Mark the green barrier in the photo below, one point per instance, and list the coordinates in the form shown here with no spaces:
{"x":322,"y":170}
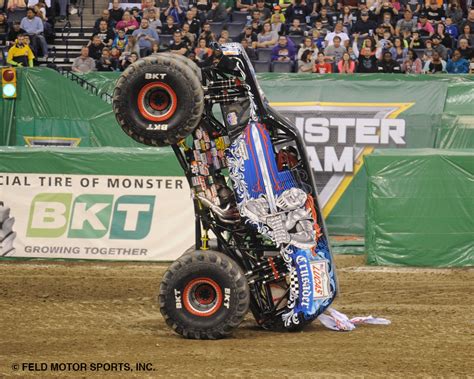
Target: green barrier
{"x":91,"y":161}
{"x":435,"y":112}
{"x":420,"y":208}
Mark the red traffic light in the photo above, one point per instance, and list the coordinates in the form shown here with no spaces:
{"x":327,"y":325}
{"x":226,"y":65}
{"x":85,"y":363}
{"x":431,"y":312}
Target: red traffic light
{"x":8,"y":75}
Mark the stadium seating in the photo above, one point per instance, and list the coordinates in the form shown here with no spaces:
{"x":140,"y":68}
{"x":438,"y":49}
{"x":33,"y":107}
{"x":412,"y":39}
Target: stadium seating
{"x":282,"y":66}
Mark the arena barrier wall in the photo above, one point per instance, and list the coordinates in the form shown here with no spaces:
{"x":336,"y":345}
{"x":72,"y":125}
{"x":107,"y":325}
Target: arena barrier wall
{"x":108,"y":203}
{"x":420,"y":207}
{"x":342,"y":118}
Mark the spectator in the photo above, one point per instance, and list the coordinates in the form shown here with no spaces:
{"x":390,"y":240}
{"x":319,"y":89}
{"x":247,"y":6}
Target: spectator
{"x":324,"y":19}
{"x":267,"y":37}
{"x":338,"y":31}
{"x":128,"y":23}
{"x":364,"y":27}
{"x":469,"y":21}
{"x":388,"y":65}
{"x":446,"y":39}
{"x":318,"y":40}
{"x":155,"y":48}
{"x":207,"y":33}
{"x":416,"y":42}
{"x":105,"y":17}
{"x":406,"y":23}
{"x":387,"y":23}
{"x":367,"y":63}
{"x":308,"y":44}
{"x":105,"y":61}
{"x":132,"y":47}
{"x":20,"y":54}
{"x":169,"y":28}
{"x":33,"y":25}
{"x":174,"y":10}
{"x":249,"y":50}
{"x":178,"y":46}
{"x":115,"y":57}
{"x":284,"y":50}
{"x":145,"y":36}
{"x":321,"y":66}
{"x":346,"y":17}
{"x":244,"y":5}
{"x":383,"y":8}
{"x":217,"y":13}
{"x":83,"y":63}
{"x":424,"y":26}
{"x":305,"y":62}
{"x":457,"y":64}
{"x":13,"y":33}
{"x":399,"y":52}
{"x":346,"y":65}
{"x":454,"y":12}
{"x":412,"y":64}
{"x":3,"y":29}
{"x":437,"y":46}
{"x":451,"y":29}
{"x":428,"y":52}
{"x":278,"y":20}
{"x":105,"y":34}
{"x":190,"y":38}
{"x":414,"y":6}
{"x":136,"y":15}
{"x":435,"y":64}
{"x":299,"y":10}
{"x":434,"y":12}
{"x":116,"y":12}
{"x":471,"y":66}
{"x":202,"y":52}
{"x":153,"y":18}
{"x":335,"y":51}
{"x":250,"y":36}
{"x":295,"y":28}
{"x":467,"y":34}
{"x":192,"y":22}
{"x":130,"y":59}
{"x":95,"y":47}
{"x":465,"y":50}
{"x":120,"y":41}
{"x":265,"y":13}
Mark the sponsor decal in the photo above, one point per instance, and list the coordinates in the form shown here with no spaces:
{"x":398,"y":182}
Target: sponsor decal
{"x":177,"y":299}
{"x":158,"y":76}
{"x":304,"y":272}
{"x":227,"y":297}
{"x":321,"y":284}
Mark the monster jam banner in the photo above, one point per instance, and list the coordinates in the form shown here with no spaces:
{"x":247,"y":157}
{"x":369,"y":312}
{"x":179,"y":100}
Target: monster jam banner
{"x":85,"y":216}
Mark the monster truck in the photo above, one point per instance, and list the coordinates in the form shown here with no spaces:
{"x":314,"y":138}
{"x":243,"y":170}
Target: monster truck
{"x":252,"y":189}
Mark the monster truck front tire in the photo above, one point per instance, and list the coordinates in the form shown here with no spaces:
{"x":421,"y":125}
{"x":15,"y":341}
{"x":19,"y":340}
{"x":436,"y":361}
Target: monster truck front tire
{"x":158,"y":100}
{"x":204,"y":295}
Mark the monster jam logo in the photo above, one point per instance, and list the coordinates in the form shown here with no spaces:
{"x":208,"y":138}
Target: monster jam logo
{"x":338,"y":135}
{"x":129,"y":217}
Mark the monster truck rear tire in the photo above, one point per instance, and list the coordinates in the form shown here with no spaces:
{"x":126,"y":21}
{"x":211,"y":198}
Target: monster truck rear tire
{"x":204,"y":295}
{"x":158,"y":100}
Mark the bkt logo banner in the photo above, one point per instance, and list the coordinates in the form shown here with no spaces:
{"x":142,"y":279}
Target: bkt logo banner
{"x":54,"y":215}
{"x":139,"y":218}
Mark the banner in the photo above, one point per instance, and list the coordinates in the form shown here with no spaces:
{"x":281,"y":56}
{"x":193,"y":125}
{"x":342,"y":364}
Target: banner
{"x":97,"y":217}
{"x":87,"y":216}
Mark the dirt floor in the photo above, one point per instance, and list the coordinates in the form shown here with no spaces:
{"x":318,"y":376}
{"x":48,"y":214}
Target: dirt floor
{"x":94,"y":313}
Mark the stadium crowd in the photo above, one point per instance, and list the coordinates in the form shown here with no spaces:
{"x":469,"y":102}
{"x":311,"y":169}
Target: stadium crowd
{"x":312,"y":36}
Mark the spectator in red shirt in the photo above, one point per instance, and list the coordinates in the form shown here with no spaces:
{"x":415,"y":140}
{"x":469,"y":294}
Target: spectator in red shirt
{"x":321,"y":66}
